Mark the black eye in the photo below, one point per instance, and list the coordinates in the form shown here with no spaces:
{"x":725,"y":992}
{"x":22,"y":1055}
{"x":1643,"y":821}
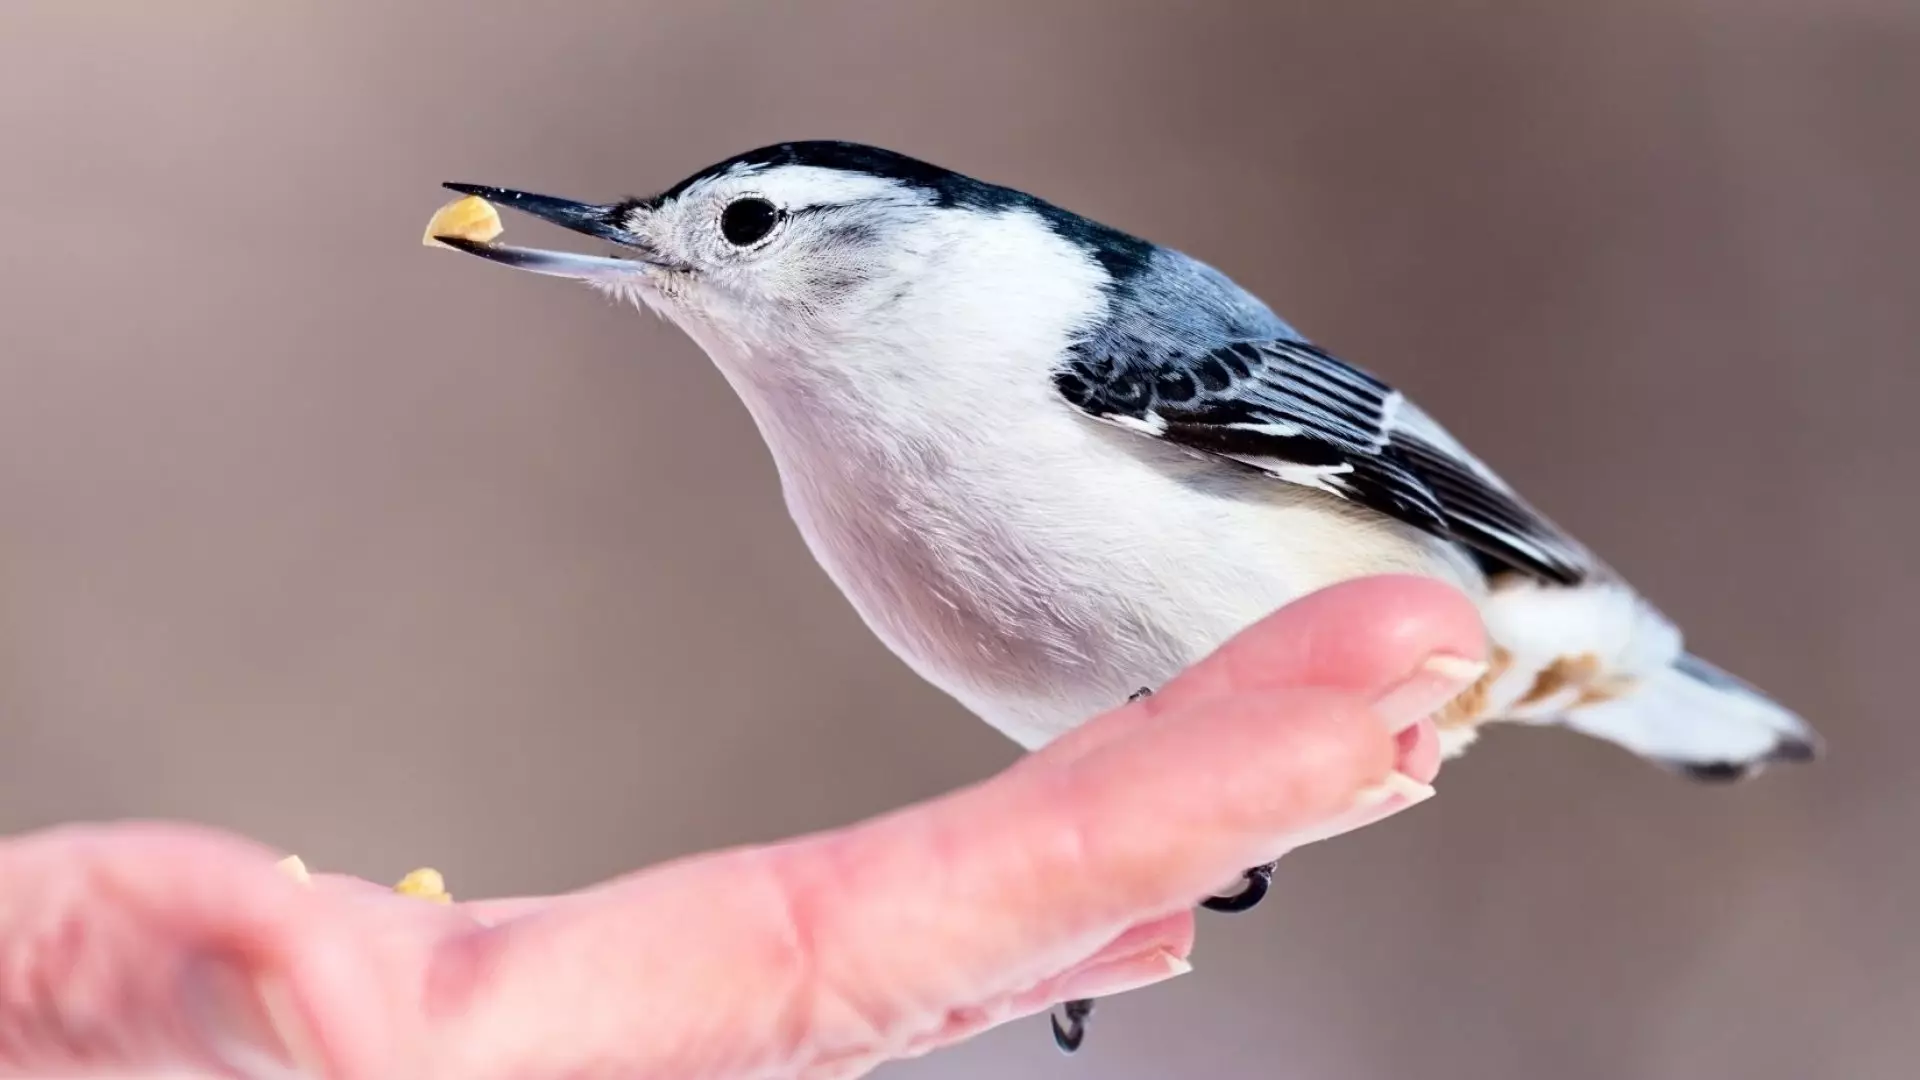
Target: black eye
{"x":747,"y":221}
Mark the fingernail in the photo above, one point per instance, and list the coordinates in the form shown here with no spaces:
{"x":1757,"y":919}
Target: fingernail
{"x":1120,"y":976}
{"x":1396,"y":783}
{"x":252,"y":1026}
{"x":1436,"y":682}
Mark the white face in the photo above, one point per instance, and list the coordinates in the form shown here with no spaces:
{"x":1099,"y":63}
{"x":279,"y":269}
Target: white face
{"x":777,"y":261}
{"x":804,"y":282}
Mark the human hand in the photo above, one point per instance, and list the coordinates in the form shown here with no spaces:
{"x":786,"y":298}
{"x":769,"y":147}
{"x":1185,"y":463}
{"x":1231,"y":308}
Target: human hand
{"x":155,"y":950}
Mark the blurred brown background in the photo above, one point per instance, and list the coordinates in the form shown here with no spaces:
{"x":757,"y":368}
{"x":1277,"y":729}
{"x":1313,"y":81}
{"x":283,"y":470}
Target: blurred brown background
{"x":387,"y":557}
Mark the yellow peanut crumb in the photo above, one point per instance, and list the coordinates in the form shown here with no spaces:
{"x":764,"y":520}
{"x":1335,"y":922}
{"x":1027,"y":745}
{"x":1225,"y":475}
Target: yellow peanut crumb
{"x":426,"y":884}
{"x":468,"y":218}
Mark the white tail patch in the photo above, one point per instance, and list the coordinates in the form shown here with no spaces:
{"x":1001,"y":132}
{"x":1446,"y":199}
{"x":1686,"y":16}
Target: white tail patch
{"x":1562,"y":647}
{"x":1600,"y":660}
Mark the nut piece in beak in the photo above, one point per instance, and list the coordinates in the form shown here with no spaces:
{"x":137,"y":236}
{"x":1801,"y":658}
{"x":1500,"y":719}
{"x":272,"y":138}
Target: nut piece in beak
{"x":471,"y":218}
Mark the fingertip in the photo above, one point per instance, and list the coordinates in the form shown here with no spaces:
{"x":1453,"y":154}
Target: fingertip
{"x":1363,"y":635}
{"x":1403,"y":616}
{"x":1432,"y":612}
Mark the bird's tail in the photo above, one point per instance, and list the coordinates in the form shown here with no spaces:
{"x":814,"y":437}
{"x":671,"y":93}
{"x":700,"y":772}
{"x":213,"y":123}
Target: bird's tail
{"x":1700,"y":721}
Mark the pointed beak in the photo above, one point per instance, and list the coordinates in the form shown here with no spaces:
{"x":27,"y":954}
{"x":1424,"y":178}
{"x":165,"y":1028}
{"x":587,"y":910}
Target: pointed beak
{"x":600,"y":221}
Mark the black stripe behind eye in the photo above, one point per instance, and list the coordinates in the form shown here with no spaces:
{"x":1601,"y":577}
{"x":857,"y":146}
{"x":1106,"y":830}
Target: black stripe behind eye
{"x":618,"y":213}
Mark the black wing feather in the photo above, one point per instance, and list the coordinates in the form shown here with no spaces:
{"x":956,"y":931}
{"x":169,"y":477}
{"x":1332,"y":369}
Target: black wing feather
{"x":1305,"y":416}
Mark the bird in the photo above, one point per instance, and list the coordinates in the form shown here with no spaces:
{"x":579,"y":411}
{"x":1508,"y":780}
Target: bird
{"x":1051,"y":464}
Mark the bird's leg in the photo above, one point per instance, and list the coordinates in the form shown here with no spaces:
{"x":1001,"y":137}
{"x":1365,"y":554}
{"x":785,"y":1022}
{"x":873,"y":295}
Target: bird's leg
{"x":1254,"y":883}
{"x":1069,"y":1033}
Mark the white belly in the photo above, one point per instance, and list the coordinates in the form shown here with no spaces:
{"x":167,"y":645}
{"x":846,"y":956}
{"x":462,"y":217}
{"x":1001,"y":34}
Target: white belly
{"x":1042,"y":576}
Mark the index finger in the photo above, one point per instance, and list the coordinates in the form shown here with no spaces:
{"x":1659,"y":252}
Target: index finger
{"x":866,"y":939}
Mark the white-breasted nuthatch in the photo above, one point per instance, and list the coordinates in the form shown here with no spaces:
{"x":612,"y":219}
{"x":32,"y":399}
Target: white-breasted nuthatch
{"x":1051,"y":463}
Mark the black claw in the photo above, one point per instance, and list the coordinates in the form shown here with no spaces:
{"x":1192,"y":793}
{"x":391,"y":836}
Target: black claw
{"x":1143,"y":692}
{"x":1256,"y":882}
{"x":1798,"y":749}
{"x":1718,"y":772}
{"x":1070,"y":1035}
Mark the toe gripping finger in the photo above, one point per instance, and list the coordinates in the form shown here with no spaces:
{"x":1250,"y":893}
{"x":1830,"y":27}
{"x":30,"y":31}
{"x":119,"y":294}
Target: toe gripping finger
{"x":1068,"y":1035}
{"x":1253,"y":889}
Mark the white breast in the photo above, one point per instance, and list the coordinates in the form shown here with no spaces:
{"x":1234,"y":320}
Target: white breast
{"x":1038,"y":566}
{"x":1043,"y":580}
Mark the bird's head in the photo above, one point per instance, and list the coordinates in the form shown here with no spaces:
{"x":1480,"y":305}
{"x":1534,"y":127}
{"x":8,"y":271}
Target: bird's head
{"x":776,"y":257}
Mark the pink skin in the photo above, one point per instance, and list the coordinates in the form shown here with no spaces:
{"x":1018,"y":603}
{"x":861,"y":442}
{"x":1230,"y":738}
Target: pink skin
{"x":156,"y":950}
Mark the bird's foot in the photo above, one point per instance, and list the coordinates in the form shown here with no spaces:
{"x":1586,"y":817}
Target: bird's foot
{"x":1253,"y":889}
{"x":1069,"y":1033}
{"x":1070,"y":1024}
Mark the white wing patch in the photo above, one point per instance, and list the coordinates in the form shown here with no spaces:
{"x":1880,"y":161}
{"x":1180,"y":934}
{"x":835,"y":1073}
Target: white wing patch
{"x":1150,"y":424}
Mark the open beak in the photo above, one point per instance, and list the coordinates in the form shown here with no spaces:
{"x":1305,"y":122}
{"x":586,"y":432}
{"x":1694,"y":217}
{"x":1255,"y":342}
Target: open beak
{"x":602,"y":222}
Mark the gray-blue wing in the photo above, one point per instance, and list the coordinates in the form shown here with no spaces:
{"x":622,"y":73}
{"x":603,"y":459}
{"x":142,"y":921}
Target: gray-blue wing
{"x":1292,"y":410}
